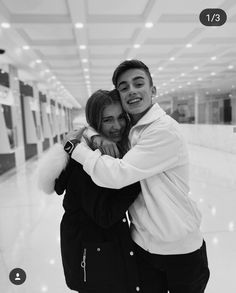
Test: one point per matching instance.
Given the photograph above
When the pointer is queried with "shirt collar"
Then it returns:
(154, 113)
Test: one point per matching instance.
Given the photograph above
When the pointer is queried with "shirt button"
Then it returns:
(124, 220)
(131, 253)
(137, 288)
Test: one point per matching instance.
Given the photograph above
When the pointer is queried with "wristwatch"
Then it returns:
(70, 145)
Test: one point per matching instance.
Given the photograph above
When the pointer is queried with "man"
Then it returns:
(165, 222)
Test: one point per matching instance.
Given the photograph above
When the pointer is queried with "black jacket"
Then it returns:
(96, 247)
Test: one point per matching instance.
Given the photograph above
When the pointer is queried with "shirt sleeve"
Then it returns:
(156, 151)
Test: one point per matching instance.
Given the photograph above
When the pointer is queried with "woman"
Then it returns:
(96, 247)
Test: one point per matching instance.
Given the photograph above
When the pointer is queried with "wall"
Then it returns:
(220, 137)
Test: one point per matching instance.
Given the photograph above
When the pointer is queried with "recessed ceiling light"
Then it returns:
(195, 67)
(5, 25)
(172, 79)
(136, 46)
(213, 73)
(86, 69)
(85, 60)
(182, 74)
(180, 86)
(87, 76)
(79, 25)
(38, 61)
(172, 58)
(44, 288)
(82, 47)
(160, 68)
(189, 83)
(199, 79)
(231, 226)
(26, 47)
(148, 24)
(230, 67)
(213, 58)
(189, 45)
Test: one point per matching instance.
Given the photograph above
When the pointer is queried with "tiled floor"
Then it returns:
(29, 225)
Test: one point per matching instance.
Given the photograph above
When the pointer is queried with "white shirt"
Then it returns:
(164, 218)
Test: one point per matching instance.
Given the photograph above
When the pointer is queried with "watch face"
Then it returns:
(69, 146)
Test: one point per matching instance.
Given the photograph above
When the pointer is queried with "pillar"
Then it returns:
(17, 116)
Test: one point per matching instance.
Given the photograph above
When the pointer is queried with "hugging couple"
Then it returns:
(133, 158)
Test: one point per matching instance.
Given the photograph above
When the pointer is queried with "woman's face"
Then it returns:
(113, 122)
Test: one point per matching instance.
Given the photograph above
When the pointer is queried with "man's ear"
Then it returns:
(154, 91)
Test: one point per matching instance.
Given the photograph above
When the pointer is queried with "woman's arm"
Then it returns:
(62, 181)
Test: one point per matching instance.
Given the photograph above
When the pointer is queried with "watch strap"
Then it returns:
(70, 145)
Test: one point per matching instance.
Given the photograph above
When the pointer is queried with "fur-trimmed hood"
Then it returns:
(50, 166)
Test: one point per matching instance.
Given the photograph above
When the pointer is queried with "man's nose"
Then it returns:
(132, 90)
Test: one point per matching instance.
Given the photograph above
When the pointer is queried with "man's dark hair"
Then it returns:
(130, 64)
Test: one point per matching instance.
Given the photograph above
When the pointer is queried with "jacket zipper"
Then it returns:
(83, 264)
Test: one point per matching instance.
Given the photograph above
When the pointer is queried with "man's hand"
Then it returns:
(74, 134)
(105, 146)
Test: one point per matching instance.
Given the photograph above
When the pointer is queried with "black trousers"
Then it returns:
(183, 273)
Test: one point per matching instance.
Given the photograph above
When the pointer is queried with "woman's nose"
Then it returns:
(116, 125)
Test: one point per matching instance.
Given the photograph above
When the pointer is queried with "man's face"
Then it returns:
(135, 92)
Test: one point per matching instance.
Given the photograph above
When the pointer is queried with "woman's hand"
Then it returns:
(105, 146)
(74, 134)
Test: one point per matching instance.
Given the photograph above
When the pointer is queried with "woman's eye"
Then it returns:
(123, 89)
(107, 120)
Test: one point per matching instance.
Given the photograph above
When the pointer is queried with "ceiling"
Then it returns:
(74, 61)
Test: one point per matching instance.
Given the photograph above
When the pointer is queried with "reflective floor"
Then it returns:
(29, 225)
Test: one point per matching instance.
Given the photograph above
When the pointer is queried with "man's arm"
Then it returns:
(155, 152)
